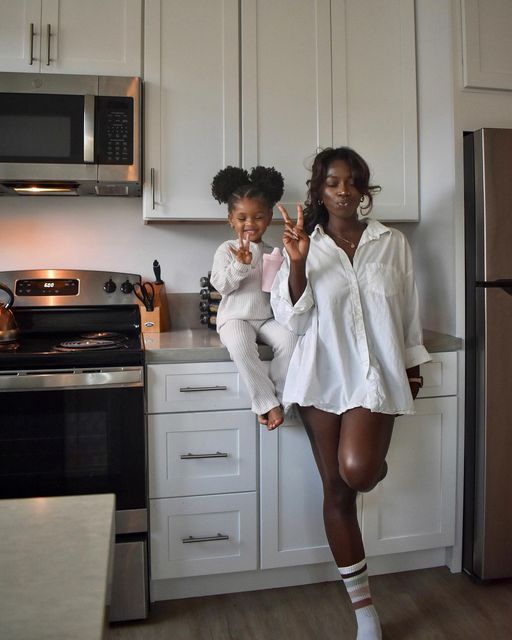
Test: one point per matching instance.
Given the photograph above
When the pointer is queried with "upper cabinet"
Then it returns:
(263, 82)
(487, 47)
(71, 36)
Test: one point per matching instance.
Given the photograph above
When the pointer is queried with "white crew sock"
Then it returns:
(355, 578)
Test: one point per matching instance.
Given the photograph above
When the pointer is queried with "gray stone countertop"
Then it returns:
(204, 345)
(55, 556)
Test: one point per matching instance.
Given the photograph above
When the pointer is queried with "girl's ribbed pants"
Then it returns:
(239, 337)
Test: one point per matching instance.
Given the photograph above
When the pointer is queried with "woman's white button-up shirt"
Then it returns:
(358, 324)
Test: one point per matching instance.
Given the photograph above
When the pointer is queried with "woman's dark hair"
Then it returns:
(314, 210)
(232, 184)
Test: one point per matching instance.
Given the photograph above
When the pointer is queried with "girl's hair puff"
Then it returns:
(232, 184)
(314, 210)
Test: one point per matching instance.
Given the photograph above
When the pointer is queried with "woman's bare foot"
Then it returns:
(275, 418)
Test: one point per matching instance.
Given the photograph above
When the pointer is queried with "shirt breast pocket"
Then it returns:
(383, 279)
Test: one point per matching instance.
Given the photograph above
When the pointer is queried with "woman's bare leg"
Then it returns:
(350, 452)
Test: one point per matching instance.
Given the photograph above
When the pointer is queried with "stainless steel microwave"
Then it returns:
(70, 135)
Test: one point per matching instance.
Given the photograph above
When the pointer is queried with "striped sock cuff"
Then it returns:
(355, 579)
(353, 569)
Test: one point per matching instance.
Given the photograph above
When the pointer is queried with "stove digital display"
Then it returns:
(41, 287)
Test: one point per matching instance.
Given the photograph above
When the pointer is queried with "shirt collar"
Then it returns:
(374, 229)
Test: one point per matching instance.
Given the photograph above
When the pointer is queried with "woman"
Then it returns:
(348, 290)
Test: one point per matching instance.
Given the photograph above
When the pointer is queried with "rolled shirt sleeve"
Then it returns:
(295, 317)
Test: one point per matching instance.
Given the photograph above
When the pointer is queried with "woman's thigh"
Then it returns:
(324, 430)
(363, 445)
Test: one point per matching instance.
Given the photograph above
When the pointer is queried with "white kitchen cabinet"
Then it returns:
(486, 44)
(269, 83)
(71, 36)
(192, 121)
(412, 509)
(202, 452)
(203, 535)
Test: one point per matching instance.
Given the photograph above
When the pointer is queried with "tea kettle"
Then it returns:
(9, 330)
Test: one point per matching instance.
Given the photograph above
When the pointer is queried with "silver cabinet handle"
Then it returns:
(152, 181)
(219, 536)
(48, 44)
(201, 456)
(31, 34)
(215, 388)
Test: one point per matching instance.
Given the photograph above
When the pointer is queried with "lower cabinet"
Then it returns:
(203, 485)
(413, 508)
(201, 535)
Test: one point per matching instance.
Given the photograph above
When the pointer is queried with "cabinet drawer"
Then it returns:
(439, 375)
(201, 453)
(195, 386)
(203, 535)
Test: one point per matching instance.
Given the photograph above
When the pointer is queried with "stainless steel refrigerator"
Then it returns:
(487, 551)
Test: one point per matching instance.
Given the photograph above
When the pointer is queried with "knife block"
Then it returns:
(158, 320)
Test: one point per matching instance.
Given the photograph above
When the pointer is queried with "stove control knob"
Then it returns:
(127, 287)
(109, 286)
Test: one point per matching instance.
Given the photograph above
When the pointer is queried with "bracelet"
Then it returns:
(417, 380)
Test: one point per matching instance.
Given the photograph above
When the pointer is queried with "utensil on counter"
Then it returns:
(145, 292)
(157, 272)
(9, 330)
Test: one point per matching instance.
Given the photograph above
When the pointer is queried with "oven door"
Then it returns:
(73, 432)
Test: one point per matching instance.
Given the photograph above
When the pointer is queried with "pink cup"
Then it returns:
(271, 263)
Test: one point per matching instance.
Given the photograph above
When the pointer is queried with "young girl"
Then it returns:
(244, 313)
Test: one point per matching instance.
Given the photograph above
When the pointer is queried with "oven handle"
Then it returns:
(71, 379)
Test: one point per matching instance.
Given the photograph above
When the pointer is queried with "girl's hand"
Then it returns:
(243, 253)
(295, 239)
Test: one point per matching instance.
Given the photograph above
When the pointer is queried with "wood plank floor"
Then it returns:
(431, 604)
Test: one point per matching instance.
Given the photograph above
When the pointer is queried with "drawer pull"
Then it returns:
(199, 456)
(215, 388)
(219, 536)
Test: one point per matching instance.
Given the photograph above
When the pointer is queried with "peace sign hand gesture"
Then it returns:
(243, 253)
(295, 239)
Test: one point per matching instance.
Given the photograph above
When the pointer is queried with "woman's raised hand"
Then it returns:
(295, 239)
(243, 253)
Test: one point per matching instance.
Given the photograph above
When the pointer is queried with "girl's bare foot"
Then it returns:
(275, 417)
(263, 419)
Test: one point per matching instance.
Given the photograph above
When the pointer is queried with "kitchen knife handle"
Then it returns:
(157, 271)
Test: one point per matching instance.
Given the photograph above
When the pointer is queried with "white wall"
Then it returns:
(109, 233)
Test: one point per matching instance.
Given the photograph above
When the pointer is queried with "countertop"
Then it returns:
(55, 556)
(204, 345)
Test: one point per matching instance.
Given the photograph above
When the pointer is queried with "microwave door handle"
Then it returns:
(89, 104)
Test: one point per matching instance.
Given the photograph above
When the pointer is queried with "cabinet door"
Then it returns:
(93, 37)
(286, 87)
(19, 43)
(292, 527)
(201, 453)
(202, 535)
(374, 97)
(414, 506)
(192, 124)
(487, 48)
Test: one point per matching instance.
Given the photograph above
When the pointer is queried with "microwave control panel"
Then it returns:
(114, 130)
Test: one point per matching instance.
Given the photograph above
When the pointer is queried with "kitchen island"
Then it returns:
(55, 563)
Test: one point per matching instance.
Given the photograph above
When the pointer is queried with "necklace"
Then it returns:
(349, 242)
